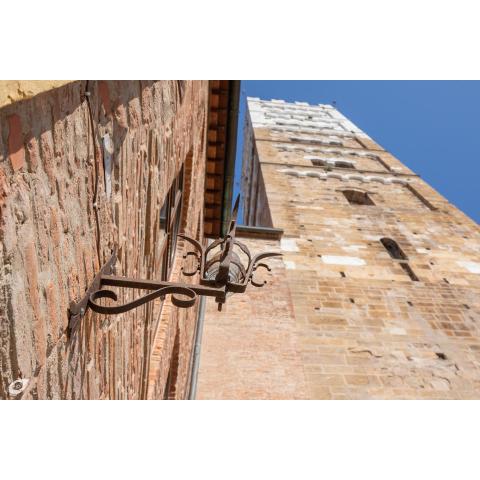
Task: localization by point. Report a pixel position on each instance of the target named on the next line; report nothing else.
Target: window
(170, 215)
(318, 162)
(170, 389)
(181, 87)
(175, 216)
(357, 197)
(406, 267)
(393, 249)
(343, 164)
(420, 197)
(380, 161)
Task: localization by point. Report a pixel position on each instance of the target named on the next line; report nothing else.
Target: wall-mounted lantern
(225, 267)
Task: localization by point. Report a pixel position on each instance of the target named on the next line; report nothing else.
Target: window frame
(173, 207)
(399, 256)
(351, 193)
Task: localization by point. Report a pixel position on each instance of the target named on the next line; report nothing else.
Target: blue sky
(433, 127)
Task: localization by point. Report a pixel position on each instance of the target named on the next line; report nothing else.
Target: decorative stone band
(321, 149)
(305, 129)
(334, 151)
(297, 125)
(265, 113)
(282, 106)
(304, 117)
(331, 139)
(282, 147)
(344, 177)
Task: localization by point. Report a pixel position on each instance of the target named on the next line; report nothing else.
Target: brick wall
(60, 217)
(358, 325)
(249, 349)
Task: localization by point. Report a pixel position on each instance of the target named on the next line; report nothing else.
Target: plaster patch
(340, 260)
(288, 245)
(397, 331)
(472, 267)
(289, 265)
(353, 248)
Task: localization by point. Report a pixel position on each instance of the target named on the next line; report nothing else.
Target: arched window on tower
(320, 162)
(393, 249)
(357, 197)
(344, 164)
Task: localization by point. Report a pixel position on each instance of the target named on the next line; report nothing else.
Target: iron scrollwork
(219, 266)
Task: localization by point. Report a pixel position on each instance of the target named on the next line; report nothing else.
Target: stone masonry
(74, 184)
(377, 295)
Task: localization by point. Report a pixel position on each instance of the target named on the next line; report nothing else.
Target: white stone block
(353, 248)
(288, 245)
(398, 331)
(472, 267)
(340, 260)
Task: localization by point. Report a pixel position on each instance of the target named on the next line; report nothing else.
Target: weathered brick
(49, 234)
(16, 150)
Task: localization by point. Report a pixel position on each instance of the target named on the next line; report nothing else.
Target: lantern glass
(236, 274)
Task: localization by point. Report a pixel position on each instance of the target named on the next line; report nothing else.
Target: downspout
(197, 345)
(192, 393)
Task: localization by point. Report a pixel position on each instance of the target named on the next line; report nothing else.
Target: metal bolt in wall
(18, 386)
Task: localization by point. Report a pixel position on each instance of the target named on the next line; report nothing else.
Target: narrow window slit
(409, 271)
(420, 197)
(393, 249)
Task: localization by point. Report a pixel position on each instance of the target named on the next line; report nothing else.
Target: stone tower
(378, 291)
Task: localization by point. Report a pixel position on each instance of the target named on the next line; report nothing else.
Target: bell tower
(383, 273)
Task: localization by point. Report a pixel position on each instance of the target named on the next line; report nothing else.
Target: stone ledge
(259, 232)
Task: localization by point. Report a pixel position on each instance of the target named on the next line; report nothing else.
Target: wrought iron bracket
(220, 274)
(77, 310)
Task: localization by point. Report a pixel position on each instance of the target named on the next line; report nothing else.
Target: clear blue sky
(433, 127)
